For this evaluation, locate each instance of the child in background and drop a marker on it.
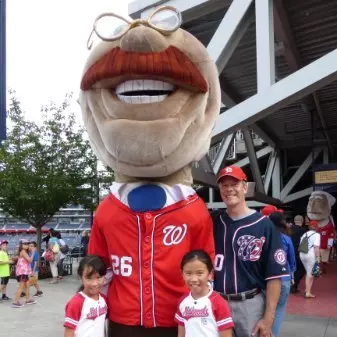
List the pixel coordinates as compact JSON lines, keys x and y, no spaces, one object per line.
{"x":4,"y":269}
{"x":22,"y":272}
{"x":33,"y":280}
{"x":86,"y":311}
{"x":201,"y":312}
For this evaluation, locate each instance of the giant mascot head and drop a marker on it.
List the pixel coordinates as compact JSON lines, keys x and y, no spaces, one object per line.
{"x":319,"y":206}
{"x":149,"y":95}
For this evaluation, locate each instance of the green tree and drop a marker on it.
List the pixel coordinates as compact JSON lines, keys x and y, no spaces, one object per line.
{"x":44,"y":168}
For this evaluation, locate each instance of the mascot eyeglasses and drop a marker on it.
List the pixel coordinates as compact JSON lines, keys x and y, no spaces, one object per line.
{"x":111,"y":27}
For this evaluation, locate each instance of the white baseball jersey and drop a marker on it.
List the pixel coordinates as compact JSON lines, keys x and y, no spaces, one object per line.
{"x":86,"y":315}
{"x":204,"y":317}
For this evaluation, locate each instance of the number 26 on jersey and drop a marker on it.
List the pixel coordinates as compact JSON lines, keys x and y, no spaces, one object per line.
{"x":121,"y":265}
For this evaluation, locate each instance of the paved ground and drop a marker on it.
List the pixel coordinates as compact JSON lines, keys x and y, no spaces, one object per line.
{"x":45,"y":319}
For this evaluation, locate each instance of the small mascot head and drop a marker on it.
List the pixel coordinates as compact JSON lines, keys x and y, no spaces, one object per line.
{"x":319,"y":205}
{"x":149,"y":95}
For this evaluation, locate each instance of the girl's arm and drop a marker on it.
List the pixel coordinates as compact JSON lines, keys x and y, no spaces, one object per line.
{"x":226,"y":333}
{"x":69,"y":332}
{"x":181,"y":331}
{"x":26,"y":256}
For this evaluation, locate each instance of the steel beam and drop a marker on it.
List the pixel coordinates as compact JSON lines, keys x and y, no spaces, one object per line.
{"x":284,"y":34}
{"x":262,"y":134}
{"x":297,"y":85}
{"x":247,"y":136}
{"x":269,"y":171}
{"x":265,"y":44}
{"x":276,"y":178}
{"x":229,"y":33}
{"x":299,"y":173}
{"x":259,"y":154}
{"x":202,"y":177}
{"x":325,"y":156}
{"x":298,"y":195}
{"x":222,"y":152}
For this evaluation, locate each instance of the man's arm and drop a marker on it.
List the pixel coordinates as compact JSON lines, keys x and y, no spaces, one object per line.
{"x":273,"y":291}
{"x":69,"y":332}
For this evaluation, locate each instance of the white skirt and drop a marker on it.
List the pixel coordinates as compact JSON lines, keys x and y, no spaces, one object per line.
{"x":308,"y":261}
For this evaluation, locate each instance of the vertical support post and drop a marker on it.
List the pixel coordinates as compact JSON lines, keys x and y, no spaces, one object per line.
{"x":276,"y":179}
{"x":211,"y":195}
{"x":247,"y":136}
{"x":2,"y":70}
{"x":326,"y":156}
{"x":265,"y":44}
{"x":223,"y":151}
{"x":269,"y":171}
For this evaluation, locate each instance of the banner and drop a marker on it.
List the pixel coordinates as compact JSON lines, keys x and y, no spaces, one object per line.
{"x":325,"y":178}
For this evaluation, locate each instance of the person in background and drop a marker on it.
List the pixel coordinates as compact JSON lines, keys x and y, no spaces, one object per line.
{"x":60,"y":269}
{"x":312,"y":257}
{"x":22,"y":272}
{"x":33,"y":281}
{"x":288,"y":247}
{"x":54,"y":246}
{"x":5,"y":262}
{"x":85,"y":242}
{"x":297,"y":231}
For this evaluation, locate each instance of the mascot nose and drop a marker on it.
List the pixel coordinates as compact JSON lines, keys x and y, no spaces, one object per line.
{"x":143,"y":39}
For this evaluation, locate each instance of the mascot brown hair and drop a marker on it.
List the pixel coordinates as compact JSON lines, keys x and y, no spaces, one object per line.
{"x":149,"y":96}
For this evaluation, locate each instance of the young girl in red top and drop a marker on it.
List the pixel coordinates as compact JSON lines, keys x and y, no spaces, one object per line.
{"x":22,"y":272}
{"x":201,"y":312}
{"x":86,"y":311}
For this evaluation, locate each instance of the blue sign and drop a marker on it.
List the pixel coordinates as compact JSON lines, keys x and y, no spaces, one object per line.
{"x":2,"y":70}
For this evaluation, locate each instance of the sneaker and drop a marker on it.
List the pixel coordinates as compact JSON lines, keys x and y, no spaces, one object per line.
{"x":6,"y":298}
{"x":30,"y":302}
{"x":38,"y":294}
{"x":17,"y":305}
{"x":53,"y":282}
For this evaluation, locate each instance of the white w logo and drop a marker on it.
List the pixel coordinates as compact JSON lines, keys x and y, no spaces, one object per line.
{"x":173,"y":235}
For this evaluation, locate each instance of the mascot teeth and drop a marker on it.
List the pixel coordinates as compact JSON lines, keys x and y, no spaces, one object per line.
{"x":143,"y":91}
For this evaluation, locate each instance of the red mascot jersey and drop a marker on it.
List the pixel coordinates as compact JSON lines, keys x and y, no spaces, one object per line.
{"x":327,"y":232}
{"x":144,"y":251}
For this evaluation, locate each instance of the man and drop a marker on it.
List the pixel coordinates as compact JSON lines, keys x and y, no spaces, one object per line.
{"x":250,"y":259}
{"x":297,"y":231}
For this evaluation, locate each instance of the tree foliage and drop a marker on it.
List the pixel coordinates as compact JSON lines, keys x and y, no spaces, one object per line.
{"x":45,"y":167}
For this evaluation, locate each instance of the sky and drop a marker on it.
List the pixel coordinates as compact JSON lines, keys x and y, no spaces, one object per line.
{"x":46,"y":47}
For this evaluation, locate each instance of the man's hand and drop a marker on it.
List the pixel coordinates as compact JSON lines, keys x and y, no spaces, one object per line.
{"x":263,"y":327}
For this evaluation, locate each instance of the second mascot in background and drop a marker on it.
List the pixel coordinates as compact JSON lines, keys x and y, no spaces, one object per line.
{"x":150,"y":97}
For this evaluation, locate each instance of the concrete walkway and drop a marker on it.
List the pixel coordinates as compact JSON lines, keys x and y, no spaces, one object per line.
{"x":45,"y":319}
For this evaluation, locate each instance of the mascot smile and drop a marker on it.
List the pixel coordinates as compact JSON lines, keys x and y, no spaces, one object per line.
{"x":150,"y":97}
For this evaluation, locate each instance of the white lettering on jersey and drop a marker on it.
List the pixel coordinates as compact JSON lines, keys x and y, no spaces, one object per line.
{"x":250,"y":247}
{"x":218,"y":262}
{"x":121,"y":265}
{"x":173,"y":235}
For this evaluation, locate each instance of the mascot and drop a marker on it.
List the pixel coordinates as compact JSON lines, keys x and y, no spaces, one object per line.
{"x":319,"y":209}
{"x":150,"y":97}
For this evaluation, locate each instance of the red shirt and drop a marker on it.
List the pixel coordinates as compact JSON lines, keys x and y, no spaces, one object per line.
{"x":144,"y":251}
{"x":326,"y":232}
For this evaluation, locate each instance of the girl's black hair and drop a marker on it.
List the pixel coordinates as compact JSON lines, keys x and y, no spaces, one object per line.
{"x":199,"y":255}
{"x":95,"y":265}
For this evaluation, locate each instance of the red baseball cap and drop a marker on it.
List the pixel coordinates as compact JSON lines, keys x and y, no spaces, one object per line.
{"x":232,"y":171}
{"x":269,"y":209}
{"x":313,"y":223}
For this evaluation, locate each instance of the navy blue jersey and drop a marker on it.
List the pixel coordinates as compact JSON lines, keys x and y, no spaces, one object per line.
{"x":249,"y":252}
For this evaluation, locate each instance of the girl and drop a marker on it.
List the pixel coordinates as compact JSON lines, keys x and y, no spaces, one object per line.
{"x":311,"y":257}
{"x":87,"y":310}
{"x":202,"y":312}
{"x":22,"y":272}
